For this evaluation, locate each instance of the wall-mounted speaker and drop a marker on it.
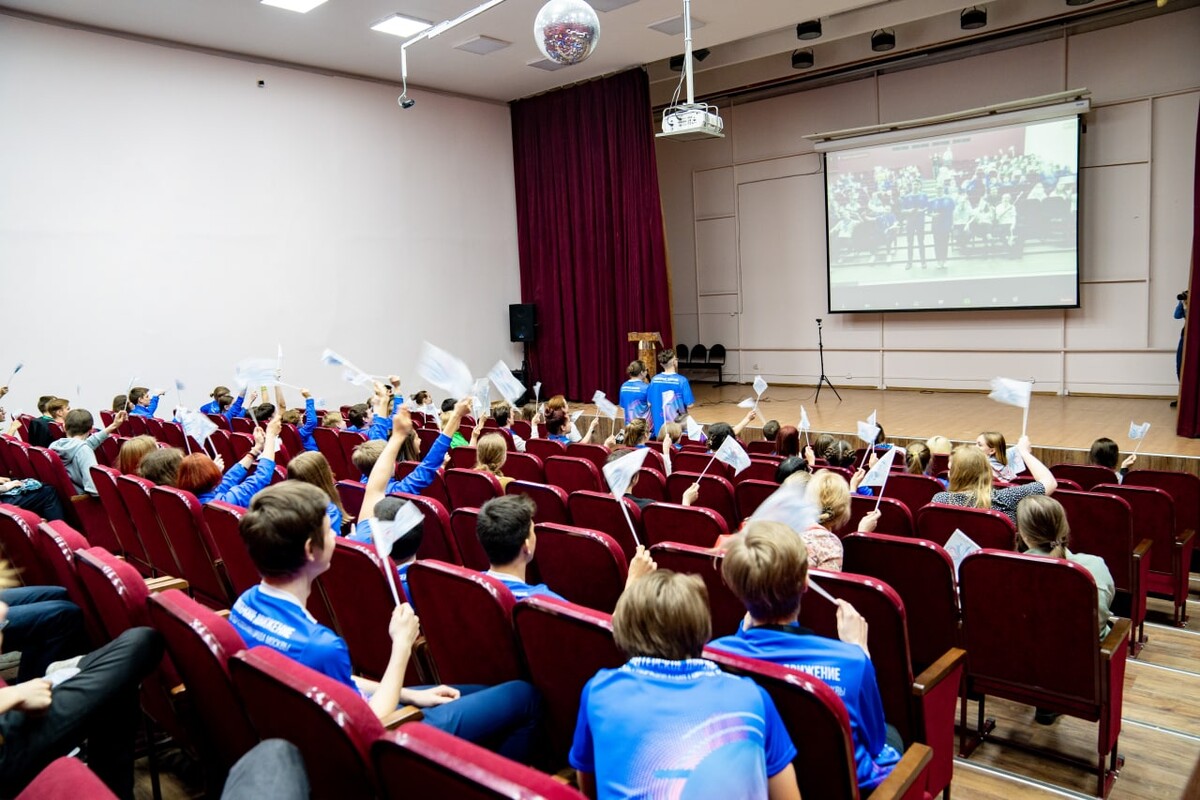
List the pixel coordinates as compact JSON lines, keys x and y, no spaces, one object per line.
{"x":522,"y":322}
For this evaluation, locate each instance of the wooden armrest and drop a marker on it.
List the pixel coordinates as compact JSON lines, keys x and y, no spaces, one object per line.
{"x":936,"y":672}
{"x":906,"y":774}
{"x":1142,"y":548}
{"x":178,"y":690}
{"x":1116,"y":637}
{"x":164,"y":582}
{"x":79,"y":498}
{"x":401,"y":716}
{"x":1184,"y":538}
{"x":566,"y":775}
{"x":223,"y":613}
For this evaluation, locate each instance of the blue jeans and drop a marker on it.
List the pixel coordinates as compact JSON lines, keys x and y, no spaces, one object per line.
{"x":502,"y":718}
{"x":44,"y":625}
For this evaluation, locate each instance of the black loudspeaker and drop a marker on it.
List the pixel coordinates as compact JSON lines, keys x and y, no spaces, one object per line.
{"x":522,"y":322}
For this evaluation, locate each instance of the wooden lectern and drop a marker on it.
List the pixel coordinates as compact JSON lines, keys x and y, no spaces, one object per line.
{"x":646,"y":354}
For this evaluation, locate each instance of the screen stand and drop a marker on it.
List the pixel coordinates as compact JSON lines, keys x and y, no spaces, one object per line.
{"x":824,"y":379}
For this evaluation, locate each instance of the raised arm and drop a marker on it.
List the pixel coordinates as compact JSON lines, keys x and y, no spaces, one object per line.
{"x":1040,"y":472}
{"x":385,"y":465}
{"x":751,"y":415}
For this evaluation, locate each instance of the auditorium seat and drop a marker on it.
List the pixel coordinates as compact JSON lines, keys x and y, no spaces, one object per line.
{"x":915,"y":491}
{"x":700,"y":462}
{"x":585,"y":566}
{"x":130,"y":544}
{"x":222,"y":520}
{"x":760,"y":446}
{"x":56,"y":543}
{"x":66,"y":778}
{"x":135,"y":492}
{"x":195,"y":551}
{"x":650,"y":485}
{"x":522,"y":428}
{"x":667,"y":522}
{"x":463,"y":457}
{"x":331,"y":448}
{"x":463,"y":523}
{"x":750,"y":494}
{"x":600,"y":511}
{"x":469,"y":488}
{"x":759,"y":470}
{"x":596,"y":453}
{"x":716,"y":493}
{"x":1076,"y":673}
{"x":351,"y":494}
{"x":551,"y":501}
{"x":574,"y":474}
{"x":544,"y":448}
{"x":427,"y":436}
{"x":1086,"y":475}
{"x":986,"y":527}
{"x":1184,"y":489}
{"x":17,"y":530}
{"x":524,"y":467}
{"x":83,"y":511}
{"x":727,"y":611}
{"x":437,"y":540}
{"x":894,"y":516}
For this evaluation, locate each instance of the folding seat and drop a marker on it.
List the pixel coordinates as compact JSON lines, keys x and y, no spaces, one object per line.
{"x":17,"y":527}
{"x":894,"y":517}
{"x":551,"y":501}
{"x":716,"y":493}
{"x":135,"y":426}
{"x":220,"y":443}
{"x":921,"y":709}
{"x":419,"y":760}
{"x":596,"y":453}
{"x":107,"y":417}
{"x":239,"y":424}
{"x":1086,"y":475}
{"x":83,"y":511}
{"x":329,"y":722}
{"x":915,"y":491}
{"x":18,"y":459}
{"x":239,"y":445}
{"x":727,"y":611}
{"x":109,"y":450}
{"x":220,"y":420}
{"x":819,"y":727}
{"x":1102,"y":525}
{"x":200,"y":644}
{"x":687,"y":445}
{"x":651,"y":484}
{"x":463,"y":457}
{"x":290,"y":445}
{"x":1171,"y":554}
{"x":351,"y":494}
{"x":524,"y":467}
{"x":564,"y":645}
{"x":66,"y":778}
{"x":197,"y":554}
{"x":427,"y":437}
{"x":573,"y":474}
{"x":331,"y":448}
{"x":1075,"y":672}
{"x":600,"y":511}
{"x":129,"y":544}
{"x":760,"y":446}
{"x":521,"y":428}
{"x":986,"y":527}
{"x":467,"y":620}
{"x":544,"y":448}
{"x":135,"y":492}
{"x":585,"y":566}
{"x":922,"y":574}
{"x":467,"y":429}
{"x":654,"y":459}
{"x":466,"y":541}
{"x":749,"y":495}
{"x":667,"y":522}
{"x":898,"y":463}
{"x":470,"y":489}
{"x":56,"y":543}
{"x":845,"y":473}
{"x":509,"y":444}
{"x":700,"y":462}
{"x":757,"y":471}
{"x":222,"y":521}
{"x":1184,"y":489}
{"x":437,"y":539}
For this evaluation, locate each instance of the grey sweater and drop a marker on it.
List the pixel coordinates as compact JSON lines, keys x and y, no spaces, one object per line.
{"x":79,"y":456}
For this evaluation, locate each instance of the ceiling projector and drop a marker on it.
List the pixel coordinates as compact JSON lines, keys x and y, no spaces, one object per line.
{"x":688,"y":122}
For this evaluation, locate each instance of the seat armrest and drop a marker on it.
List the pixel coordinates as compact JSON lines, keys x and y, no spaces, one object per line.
{"x":935,"y":696}
{"x":223,"y":613}
{"x":1184,"y":538}
{"x":164,"y":582}
{"x":1142,"y":548}
{"x":908,"y":777}
{"x":1113,"y":642}
{"x":938,"y":671}
{"x":401,"y":716}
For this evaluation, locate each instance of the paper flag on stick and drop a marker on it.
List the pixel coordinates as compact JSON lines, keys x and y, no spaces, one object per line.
{"x":619,"y":472}
{"x":816,"y":588}
{"x":787,"y":505}
{"x":747,"y":403}
{"x":868,"y":432}
{"x":871,"y":419}
{"x":510,"y":388}
{"x":959,"y":546}
{"x":444,"y":371}
{"x":804,"y":423}
{"x":879,"y":473}
{"x":575,"y":415}
{"x":17,"y":369}
{"x":480,"y":392}
{"x":694,"y":430}
{"x":1010,"y":392}
{"x":537,"y":392}
{"x":179,"y":387}
{"x":1138,"y":431}
{"x":386,"y":533}
{"x":731,"y":453}
{"x":255,"y":372}
{"x":605,"y":406}
{"x":760,"y":385}
{"x":196,"y":425}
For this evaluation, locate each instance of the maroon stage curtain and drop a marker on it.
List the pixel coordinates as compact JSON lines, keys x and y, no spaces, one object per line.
{"x":1189,"y":384}
{"x":590,"y":228}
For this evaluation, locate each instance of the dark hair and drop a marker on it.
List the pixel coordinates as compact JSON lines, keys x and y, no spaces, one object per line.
{"x":448,"y":404}
{"x":280,"y":520}
{"x":557,"y":421}
{"x":635,"y":369}
{"x":1104,"y":453}
{"x":666,"y":357}
{"x":717,"y":432}
{"x":787,"y":443}
{"x":501,"y":412}
{"x":218,"y":392}
{"x":770,"y":429}
{"x":880,"y":438}
{"x":224,"y":401}
{"x":422,"y":398}
{"x":409,"y":542}
{"x":790,"y":466}
{"x":78,"y":422}
{"x":120,"y":403}
{"x":503,"y":526}
{"x":823,"y":443}
{"x":137,"y":393}
{"x":357,"y":414}
{"x":161,"y":466}
{"x":840,"y":454}
{"x":46,"y":398}
{"x":264,"y":411}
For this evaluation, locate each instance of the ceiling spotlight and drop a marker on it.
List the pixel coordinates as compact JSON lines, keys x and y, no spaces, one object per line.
{"x":972,"y":18}
{"x":883,"y":40}
{"x":802,"y":59}
{"x":697,"y":55}
{"x":809,"y":30}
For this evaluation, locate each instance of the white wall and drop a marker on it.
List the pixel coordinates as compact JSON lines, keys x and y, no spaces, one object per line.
{"x":745,"y":224}
{"x":162,"y":216}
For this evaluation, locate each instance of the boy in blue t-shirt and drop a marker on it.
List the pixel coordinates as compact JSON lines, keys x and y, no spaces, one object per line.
{"x":669,"y":723}
{"x":505,"y":529}
{"x":666,"y":407}
{"x":766,"y":566}
{"x":633,"y":393}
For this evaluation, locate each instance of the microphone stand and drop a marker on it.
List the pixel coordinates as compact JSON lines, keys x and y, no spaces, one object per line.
{"x":824,"y":379}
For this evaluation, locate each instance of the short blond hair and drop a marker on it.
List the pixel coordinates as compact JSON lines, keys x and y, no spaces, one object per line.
{"x":663,"y":615}
{"x":766,"y":566}
{"x":939,"y":445}
{"x":830,"y":493}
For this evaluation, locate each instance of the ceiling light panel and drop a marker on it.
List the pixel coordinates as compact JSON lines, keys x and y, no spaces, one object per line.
{"x":482,"y":45}
{"x":674,"y":25}
{"x":400,"y":25}
{"x":299,"y":6}
{"x":610,"y":5}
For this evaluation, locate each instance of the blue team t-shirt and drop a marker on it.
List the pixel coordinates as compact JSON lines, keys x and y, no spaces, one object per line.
{"x":655,"y":728}
{"x":267,"y":616}
{"x":660,"y":384}
{"x":845,"y":668}
{"x":520,"y":590}
{"x":633,"y":400}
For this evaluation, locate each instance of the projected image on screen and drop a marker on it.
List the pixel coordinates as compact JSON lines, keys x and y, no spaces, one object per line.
{"x":981,"y":219}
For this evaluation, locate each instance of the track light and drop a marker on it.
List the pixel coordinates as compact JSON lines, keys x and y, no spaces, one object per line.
{"x":802,"y":59}
{"x":972,"y":18}
{"x":883,"y":40}
{"x":809,"y":30}
{"x":697,"y":55}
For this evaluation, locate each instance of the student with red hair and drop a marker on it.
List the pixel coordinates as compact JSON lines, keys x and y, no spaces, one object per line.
{"x":201,"y":476}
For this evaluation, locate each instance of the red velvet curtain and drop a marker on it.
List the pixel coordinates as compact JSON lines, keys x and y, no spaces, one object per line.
{"x":590,"y":227}
{"x":1189,"y":384}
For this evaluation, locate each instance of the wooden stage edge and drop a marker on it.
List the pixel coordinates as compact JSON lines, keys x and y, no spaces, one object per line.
{"x":1061,"y":428}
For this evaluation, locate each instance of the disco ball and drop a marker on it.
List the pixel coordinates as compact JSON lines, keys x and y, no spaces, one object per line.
{"x":566,"y":31}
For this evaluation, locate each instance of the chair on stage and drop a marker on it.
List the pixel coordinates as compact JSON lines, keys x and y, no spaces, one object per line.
{"x":585,"y":566}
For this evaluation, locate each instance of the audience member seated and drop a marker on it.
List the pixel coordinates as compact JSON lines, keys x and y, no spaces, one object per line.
{"x":306,"y":423}
{"x":840,"y":454}
{"x":490,"y":455}
{"x":1104,"y":453}
{"x":767,"y":568}
{"x":366,"y":455}
{"x":635,"y":435}
{"x":505,"y":529}
{"x":77,"y":449}
{"x":917,"y":458}
{"x":502,"y":413}
{"x":690,"y":494}
{"x":971,"y":480}
{"x":43,"y":625}
{"x":560,"y":428}
{"x":214,"y":405}
{"x":669,"y":723}
{"x":161,"y":466}
{"x":31,"y":495}
{"x":999,"y":454}
{"x":718,"y":432}
{"x":359,"y":418}
{"x":787,"y":441}
{"x":313,"y":469}
{"x":830,"y":495}
{"x":55,"y":409}
{"x":201,"y":476}
{"x":133,"y":451}
{"x":672,"y":432}
{"x":142,"y":403}
{"x":770,"y":430}
{"x":288,"y":536}
{"x":818,"y":448}
{"x":939,"y":445}
{"x":790,"y":466}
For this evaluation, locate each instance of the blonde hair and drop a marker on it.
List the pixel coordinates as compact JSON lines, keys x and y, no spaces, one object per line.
{"x":333,"y":419}
{"x":635,"y":433}
{"x":970,"y":472}
{"x":490,"y":454}
{"x":672,"y":429}
{"x":767,"y":567}
{"x":830,"y":493}
{"x":917,"y":458}
{"x":663,"y":615}
{"x":133,"y":451}
{"x":939,"y":445}
{"x":995,"y":440}
{"x":1041,"y":522}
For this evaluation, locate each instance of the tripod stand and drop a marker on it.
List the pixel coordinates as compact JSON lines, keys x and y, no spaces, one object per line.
{"x":824,"y":378}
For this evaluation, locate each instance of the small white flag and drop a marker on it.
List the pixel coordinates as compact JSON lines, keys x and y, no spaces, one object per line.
{"x":255,"y":372}
{"x":879,"y":473}
{"x":279,"y":359}
{"x":331,"y":359}
{"x":385,"y":534}
{"x":760,"y":385}
{"x":695,"y":431}
{"x":787,"y":505}
{"x":871,"y":419}
{"x":747,"y":403}
{"x":196,"y":425}
{"x":619,"y":472}
{"x":17,"y":369}
{"x":1138,"y":431}
{"x":179,"y":387}
{"x":868,"y":432}
{"x":1010,"y":392}
{"x":605,"y":406}
{"x":1015,"y":462}
{"x":510,"y":388}
{"x":480,"y":392}
{"x":355,"y":377}
{"x":444,"y":371}
{"x":958,"y":547}
{"x":804,"y":424}
{"x":575,"y":415}
{"x":731,"y":453}
{"x":537,"y":391}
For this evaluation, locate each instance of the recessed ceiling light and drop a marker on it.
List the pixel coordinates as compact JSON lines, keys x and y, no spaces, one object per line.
{"x":674,"y":25}
{"x":482,"y":45}
{"x":300,"y":6}
{"x":400,"y":25}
